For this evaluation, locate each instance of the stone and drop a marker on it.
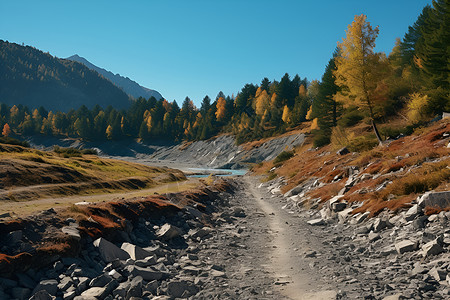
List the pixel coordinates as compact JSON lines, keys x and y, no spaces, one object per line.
{"x":148,"y":261}
{"x":379,"y":225}
{"x":374,"y":236}
{"x":109,"y":251}
{"x":65,"y":283}
{"x":405,"y":246}
{"x":135,"y":287}
{"x":69,"y":295}
{"x":359,"y":218}
{"x":147,"y":274}
{"x":435,"y":199}
{"x":94,"y":293}
{"x":135,"y":252}
{"x":199,"y":233}
{"x":168,"y":232}
{"x":339,"y":206}
{"x":316,"y":222}
{"x":413,"y":212}
{"x":343,"y":151}
{"x":72,"y":231}
{"x":193,"y":212}
{"x":42,"y":295}
{"x":344,"y":215}
{"x":437,"y":274}
{"x":431,"y":248}
{"x":51,"y":286}
{"x":20,"y":293}
{"x":83,"y":283}
{"x":115,"y":275}
{"x":419,"y":222}
{"x":100,"y":281}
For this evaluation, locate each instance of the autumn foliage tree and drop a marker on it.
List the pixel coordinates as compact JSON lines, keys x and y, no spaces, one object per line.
{"x":6,"y":130}
{"x":358,"y":66}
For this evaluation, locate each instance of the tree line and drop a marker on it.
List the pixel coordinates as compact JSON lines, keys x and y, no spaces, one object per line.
{"x":357,"y":84}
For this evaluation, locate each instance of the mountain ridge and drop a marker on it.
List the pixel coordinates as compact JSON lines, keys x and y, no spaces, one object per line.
{"x":30,"y":77}
{"x":129,"y":86}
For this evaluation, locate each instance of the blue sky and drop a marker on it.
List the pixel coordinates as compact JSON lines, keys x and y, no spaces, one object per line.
{"x":200,"y":47}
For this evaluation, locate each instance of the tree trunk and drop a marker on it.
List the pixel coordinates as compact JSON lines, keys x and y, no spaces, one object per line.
{"x":375,"y":129}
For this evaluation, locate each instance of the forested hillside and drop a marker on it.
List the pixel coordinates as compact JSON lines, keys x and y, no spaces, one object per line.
{"x":33,"y":78}
{"x":359,"y":86}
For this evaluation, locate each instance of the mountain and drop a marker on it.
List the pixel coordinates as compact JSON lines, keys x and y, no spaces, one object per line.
{"x":33,"y":78}
{"x":129,"y":86}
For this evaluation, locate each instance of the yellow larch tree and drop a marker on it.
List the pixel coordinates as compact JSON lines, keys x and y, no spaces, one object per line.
{"x":358,"y":67}
{"x":221,"y":109}
{"x":286,"y":114}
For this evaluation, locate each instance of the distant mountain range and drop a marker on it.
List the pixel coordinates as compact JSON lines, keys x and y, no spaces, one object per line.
{"x":33,"y":78}
{"x":129,"y":86}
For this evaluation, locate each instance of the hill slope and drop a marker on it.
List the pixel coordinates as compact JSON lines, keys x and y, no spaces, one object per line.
{"x":129,"y":86}
{"x":33,"y":78}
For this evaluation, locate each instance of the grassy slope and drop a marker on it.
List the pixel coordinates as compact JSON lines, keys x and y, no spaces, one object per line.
{"x":28,"y":173}
{"x":408,"y":167}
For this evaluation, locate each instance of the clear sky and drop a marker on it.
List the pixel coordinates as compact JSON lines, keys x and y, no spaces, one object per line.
{"x":200,"y":47}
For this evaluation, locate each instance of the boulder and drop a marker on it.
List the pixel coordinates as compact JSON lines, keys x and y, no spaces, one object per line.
{"x":435,"y":199}
{"x":379,"y":225}
{"x":135,"y":252}
{"x":338,"y":206}
{"x":438,"y":274}
{"x":413,"y":212}
{"x":405,"y":246}
{"x":109,"y":251}
{"x":100,"y":281}
{"x":51,"y":286}
{"x":431,"y":248}
{"x":168,"y":232}
{"x":147,"y":274}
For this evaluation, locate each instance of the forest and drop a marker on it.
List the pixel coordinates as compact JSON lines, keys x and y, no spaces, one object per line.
{"x":358,"y":85}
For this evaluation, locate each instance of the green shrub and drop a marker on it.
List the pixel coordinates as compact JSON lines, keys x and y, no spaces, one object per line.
{"x":285,"y":155}
{"x":350,"y":118}
{"x":321,"y":138}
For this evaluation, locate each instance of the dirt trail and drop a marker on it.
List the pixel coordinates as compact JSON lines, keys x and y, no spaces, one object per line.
{"x":292,"y":273}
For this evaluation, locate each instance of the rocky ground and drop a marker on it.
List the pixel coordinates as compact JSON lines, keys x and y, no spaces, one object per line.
{"x":254,"y":243}
{"x":217,"y":152}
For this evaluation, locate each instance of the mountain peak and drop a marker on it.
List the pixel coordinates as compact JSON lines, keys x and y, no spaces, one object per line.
{"x":129,"y":86}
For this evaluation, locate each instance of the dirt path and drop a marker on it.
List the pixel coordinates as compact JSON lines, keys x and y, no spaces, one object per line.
{"x":292,"y":273}
{"x":24,"y":208}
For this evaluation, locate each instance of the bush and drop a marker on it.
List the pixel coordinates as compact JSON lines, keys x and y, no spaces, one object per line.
{"x":362,"y":143}
{"x":350,"y":118}
{"x":321,"y":138}
{"x":283,"y":156}
{"x":73,"y":152}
